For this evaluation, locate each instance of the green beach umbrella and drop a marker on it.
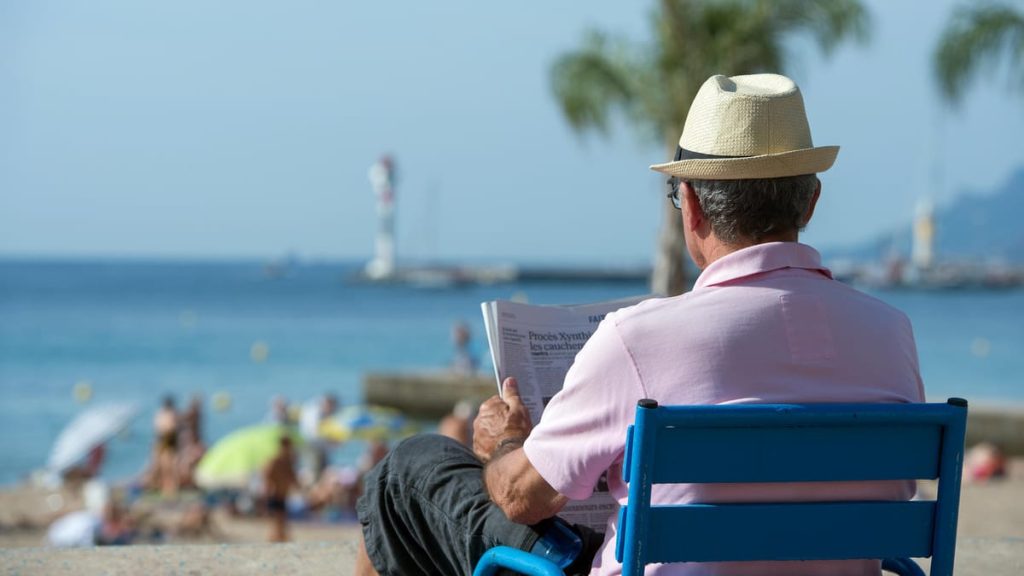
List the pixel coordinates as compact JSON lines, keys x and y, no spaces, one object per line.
{"x":232,"y":460}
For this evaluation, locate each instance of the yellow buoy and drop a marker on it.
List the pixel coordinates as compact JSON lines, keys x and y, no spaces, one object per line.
{"x":221,"y":401}
{"x":82,"y":391}
{"x":259,"y":351}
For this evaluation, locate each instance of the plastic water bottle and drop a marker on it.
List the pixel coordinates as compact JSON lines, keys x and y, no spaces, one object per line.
{"x":559,"y":544}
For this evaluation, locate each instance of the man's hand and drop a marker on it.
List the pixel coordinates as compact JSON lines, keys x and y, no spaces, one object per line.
{"x":513,"y":484}
{"x":500,"y":419}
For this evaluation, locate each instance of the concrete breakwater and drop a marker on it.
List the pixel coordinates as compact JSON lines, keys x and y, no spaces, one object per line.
{"x":1003,"y":427}
{"x":428,"y":395}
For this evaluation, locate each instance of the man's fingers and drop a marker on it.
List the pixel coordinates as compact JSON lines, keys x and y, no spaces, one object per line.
{"x":518,"y":415}
{"x":510,"y":391}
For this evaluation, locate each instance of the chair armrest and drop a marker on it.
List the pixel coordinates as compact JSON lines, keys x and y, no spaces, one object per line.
{"x":515,"y":559}
{"x":902,"y":566}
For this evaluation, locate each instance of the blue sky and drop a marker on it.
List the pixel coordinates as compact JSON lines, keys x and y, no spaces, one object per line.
{"x":246,"y":128}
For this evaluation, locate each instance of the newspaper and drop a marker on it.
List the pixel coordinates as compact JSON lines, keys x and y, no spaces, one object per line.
{"x":537,"y":345}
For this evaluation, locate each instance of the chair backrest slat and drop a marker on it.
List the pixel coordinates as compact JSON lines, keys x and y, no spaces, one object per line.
{"x":813,"y":531}
{"x":799,"y":454}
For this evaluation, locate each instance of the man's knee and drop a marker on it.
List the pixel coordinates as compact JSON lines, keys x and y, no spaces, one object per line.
{"x":427,"y":443}
{"x":416,"y":467}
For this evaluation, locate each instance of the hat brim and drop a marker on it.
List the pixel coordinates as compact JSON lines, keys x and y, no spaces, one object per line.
{"x":793,"y":163}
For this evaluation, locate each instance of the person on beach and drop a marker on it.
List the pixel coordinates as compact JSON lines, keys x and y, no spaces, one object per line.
{"x":165,"y":421}
{"x":338,"y":488}
{"x":764,"y":323}
{"x":280,"y":412}
{"x":983,"y":462}
{"x":90,"y":468}
{"x":164,"y":474}
{"x":311,"y":418}
{"x":192,"y":418}
{"x":278,"y":480}
{"x":118,"y":527}
{"x":191,"y":451}
{"x":464,"y":361}
{"x":458,"y":424}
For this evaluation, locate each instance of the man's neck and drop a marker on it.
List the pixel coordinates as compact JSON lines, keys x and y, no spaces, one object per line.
{"x":713,"y":249}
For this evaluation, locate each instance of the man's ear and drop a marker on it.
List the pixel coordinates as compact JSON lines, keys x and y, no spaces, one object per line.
{"x":693,"y":215}
{"x":814,"y":202}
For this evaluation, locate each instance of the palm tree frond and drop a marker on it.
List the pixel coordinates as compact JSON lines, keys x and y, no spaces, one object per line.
{"x":590,"y":83}
{"x":978,"y":37}
{"x":829,"y":22}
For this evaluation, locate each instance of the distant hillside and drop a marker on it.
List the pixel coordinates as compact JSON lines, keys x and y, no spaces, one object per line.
{"x":986,"y":226}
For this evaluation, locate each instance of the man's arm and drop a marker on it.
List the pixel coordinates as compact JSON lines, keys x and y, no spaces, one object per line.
{"x":512,"y":482}
{"x":519,"y":490}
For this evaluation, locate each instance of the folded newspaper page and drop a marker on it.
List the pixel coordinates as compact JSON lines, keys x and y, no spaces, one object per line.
{"x":537,"y":345}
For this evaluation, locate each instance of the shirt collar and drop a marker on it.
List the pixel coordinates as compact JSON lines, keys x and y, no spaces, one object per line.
{"x":761,"y":258}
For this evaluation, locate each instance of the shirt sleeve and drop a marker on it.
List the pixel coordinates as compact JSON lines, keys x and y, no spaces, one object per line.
{"x":583,"y":429}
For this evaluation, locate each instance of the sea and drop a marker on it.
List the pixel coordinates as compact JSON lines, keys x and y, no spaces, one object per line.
{"x":81,"y":333}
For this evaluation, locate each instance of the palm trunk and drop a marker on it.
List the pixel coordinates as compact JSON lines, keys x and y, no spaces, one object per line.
{"x":669,"y":276}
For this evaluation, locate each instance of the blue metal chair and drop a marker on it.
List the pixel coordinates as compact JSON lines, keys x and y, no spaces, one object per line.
{"x":784,"y":443}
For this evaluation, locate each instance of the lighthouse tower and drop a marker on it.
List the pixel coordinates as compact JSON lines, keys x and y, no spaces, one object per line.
{"x":382,"y":179}
{"x":923,"y":249}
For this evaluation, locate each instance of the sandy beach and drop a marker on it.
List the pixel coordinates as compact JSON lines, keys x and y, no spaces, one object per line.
{"x":179,"y":537}
{"x":990,"y":509}
{"x":990,"y":540}
{"x":26,"y":512}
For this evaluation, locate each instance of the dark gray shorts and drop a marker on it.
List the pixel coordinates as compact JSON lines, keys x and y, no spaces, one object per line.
{"x":425,"y":510}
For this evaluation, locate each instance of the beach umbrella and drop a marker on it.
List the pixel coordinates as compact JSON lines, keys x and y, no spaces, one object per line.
{"x":91,"y":428}
{"x":233,"y":460}
{"x":366,"y":423}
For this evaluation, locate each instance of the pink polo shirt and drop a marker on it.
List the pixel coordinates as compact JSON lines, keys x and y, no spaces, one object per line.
{"x":765,"y":324}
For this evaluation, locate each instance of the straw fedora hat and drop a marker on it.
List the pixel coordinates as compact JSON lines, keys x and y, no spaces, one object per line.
{"x":747,"y":127}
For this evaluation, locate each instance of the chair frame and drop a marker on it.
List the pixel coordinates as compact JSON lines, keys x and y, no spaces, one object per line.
{"x":785,"y":443}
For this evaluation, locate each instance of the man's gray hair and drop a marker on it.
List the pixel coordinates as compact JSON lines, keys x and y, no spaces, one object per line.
{"x":752,"y":210}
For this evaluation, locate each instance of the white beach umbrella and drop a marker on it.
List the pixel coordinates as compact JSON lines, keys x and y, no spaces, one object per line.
{"x":89,"y":429}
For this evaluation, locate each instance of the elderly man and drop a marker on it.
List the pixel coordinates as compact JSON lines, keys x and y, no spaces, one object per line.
{"x":764,"y":323}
